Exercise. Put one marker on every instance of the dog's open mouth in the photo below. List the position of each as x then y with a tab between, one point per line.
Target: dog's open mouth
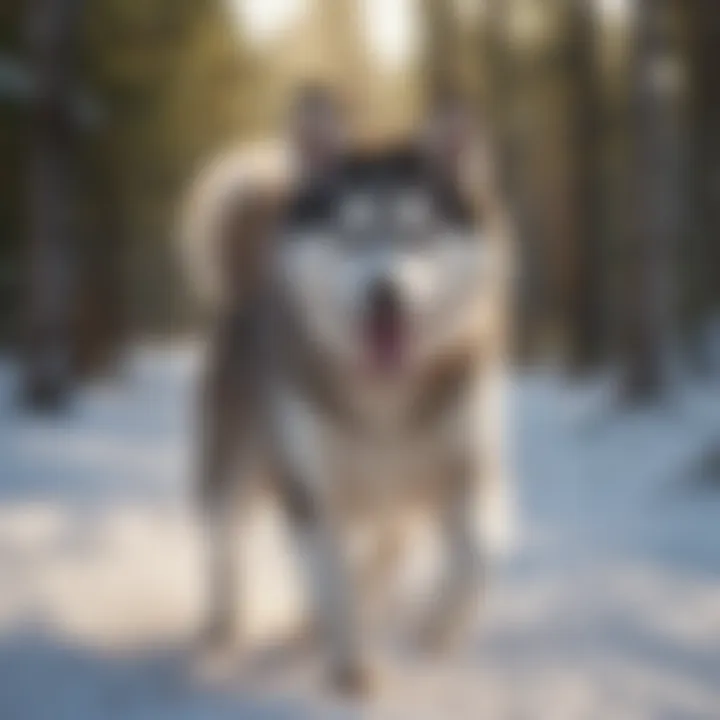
386	340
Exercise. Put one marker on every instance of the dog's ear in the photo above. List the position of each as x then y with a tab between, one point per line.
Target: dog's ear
318	129
452	138
457	149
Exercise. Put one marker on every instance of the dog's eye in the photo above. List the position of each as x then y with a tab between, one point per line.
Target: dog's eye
311	210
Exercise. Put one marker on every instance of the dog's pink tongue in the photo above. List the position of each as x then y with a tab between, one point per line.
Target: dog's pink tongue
385	337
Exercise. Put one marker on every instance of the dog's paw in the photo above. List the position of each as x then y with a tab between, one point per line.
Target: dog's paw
354	680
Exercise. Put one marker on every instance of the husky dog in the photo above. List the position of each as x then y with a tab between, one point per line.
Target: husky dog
356	361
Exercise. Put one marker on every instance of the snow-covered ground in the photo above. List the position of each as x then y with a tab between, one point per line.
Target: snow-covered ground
610	608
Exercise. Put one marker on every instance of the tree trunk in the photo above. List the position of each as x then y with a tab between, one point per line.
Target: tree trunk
341	24
506	78
496	80
584	291
442	48
51	33
100	316
701	289
654	212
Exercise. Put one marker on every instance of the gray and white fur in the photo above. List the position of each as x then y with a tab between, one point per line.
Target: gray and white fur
357	359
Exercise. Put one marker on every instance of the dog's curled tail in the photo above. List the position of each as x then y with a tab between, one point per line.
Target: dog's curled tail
224	219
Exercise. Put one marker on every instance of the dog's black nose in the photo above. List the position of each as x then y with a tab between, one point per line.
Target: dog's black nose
383	299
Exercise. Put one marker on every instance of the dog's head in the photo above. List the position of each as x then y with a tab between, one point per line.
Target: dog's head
384	253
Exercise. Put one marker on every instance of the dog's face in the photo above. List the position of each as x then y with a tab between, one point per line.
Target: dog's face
383	261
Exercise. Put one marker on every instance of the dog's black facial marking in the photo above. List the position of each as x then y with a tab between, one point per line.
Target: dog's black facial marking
381	176
453	208
397	167
313	206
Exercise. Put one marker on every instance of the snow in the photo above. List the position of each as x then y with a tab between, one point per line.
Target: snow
610	607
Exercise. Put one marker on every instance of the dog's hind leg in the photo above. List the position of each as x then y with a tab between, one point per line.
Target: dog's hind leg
220	625
222	493
221	515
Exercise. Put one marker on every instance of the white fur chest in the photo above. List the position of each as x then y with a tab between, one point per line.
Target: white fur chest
369	472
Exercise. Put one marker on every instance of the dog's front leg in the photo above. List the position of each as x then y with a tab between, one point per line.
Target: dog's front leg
307	483
329	584
334	602
463	567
